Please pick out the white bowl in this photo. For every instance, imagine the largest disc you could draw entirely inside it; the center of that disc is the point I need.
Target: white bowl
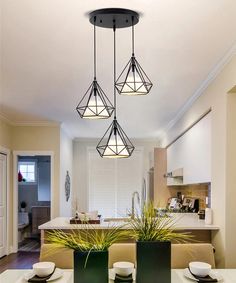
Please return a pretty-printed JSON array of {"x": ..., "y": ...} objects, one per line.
[
  {"x": 200, "y": 268},
  {"x": 43, "y": 268},
  {"x": 123, "y": 268}
]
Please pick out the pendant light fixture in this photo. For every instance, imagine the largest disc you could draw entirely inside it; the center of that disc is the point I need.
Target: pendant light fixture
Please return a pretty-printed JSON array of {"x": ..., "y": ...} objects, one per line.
[
  {"x": 133, "y": 80},
  {"x": 95, "y": 104},
  {"x": 115, "y": 143}
]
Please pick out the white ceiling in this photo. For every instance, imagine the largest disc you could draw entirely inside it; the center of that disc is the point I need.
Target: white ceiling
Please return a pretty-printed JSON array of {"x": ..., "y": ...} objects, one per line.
[{"x": 46, "y": 63}]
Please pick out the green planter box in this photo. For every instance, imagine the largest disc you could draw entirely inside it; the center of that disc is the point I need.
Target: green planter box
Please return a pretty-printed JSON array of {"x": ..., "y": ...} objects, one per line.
[
  {"x": 95, "y": 270},
  {"x": 153, "y": 262}
]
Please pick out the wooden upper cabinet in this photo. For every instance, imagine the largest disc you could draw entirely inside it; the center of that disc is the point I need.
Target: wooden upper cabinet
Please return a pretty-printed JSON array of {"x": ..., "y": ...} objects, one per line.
[{"x": 192, "y": 152}]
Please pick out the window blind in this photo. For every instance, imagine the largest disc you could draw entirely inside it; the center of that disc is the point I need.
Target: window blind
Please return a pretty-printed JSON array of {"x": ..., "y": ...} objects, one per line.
[{"x": 112, "y": 183}]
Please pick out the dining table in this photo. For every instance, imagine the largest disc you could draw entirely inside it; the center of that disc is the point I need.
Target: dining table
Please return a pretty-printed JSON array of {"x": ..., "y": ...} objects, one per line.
[{"x": 177, "y": 276}]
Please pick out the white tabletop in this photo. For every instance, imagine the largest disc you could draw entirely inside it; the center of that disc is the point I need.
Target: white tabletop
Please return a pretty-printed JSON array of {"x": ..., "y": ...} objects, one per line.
[{"x": 15, "y": 276}]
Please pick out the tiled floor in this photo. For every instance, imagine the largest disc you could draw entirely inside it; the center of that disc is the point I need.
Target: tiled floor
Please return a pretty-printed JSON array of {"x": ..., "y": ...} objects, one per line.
[{"x": 20, "y": 260}]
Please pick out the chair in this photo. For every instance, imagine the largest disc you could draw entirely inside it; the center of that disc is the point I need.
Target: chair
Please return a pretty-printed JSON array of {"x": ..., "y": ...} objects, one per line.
[
  {"x": 122, "y": 252},
  {"x": 181, "y": 254},
  {"x": 62, "y": 257}
]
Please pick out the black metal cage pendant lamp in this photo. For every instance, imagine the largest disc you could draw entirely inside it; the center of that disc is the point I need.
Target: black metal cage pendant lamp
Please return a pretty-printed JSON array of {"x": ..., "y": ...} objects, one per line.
[
  {"x": 115, "y": 143},
  {"x": 133, "y": 80},
  {"x": 95, "y": 104}
]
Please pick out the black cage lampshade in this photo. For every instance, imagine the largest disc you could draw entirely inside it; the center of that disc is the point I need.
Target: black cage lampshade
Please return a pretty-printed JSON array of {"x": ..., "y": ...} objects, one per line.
[
  {"x": 95, "y": 104},
  {"x": 133, "y": 80},
  {"x": 115, "y": 143}
]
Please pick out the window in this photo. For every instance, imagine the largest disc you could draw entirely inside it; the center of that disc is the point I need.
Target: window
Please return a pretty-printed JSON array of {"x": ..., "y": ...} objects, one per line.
[
  {"x": 112, "y": 183},
  {"x": 28, "y": 171}
]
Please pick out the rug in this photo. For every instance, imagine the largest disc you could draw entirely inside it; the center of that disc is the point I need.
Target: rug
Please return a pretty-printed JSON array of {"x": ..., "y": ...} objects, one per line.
[{"x": 29, "y": 245}]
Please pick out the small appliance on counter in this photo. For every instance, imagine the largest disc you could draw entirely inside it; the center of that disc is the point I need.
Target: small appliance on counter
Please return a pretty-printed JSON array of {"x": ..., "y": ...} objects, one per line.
[
  {"x": 180, "y": 203},
  {"x": 190, "y": 204},
  {"x": 174, "y": 204},
  {"x": 201, "y": 214}
]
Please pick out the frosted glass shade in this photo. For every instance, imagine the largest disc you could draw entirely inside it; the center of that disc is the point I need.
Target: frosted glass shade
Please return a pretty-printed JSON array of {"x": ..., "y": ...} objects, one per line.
[
  {"x": 95, "y": 104},
  {"x": 133, "y": 80},
  {"x": 115, "y": 143}
]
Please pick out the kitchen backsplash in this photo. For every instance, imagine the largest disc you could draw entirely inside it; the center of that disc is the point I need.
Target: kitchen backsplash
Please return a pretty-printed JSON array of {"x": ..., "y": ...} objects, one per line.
[{"x": 200, "y": 191}]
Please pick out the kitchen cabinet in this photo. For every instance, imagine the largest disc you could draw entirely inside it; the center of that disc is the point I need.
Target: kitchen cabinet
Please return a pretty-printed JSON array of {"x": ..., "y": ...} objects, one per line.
[
  {"x": 175, "y": 161},
  {"x": 192, "y": 152}
]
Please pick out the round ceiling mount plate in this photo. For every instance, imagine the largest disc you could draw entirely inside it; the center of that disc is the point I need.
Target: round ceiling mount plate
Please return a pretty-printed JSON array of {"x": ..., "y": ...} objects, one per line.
[{"x": 107, "y": 18}]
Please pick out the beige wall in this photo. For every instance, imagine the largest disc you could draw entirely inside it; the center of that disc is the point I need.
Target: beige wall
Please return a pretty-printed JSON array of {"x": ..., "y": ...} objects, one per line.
[
  {"x": 161, "y": 191},
  {"x": 39, "y": 138},
  {"x": 215, "y": 97},
  {"x": 5, "y": 142},
  {"x": 5, "y": 134},
  {"x": 28, "y": 138},
  {"x": 230, "y": 180}
]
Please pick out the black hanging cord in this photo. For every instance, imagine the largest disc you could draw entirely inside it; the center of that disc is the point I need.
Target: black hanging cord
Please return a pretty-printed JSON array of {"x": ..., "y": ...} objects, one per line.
[
  {"x": 132, "y": 35},
  {"x": 114, "y": 29},
  {"x": 94, "y": 48}
]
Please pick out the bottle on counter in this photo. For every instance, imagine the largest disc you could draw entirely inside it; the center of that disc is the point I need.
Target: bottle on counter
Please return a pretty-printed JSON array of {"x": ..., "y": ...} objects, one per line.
[{"x": 208, "y": 214}]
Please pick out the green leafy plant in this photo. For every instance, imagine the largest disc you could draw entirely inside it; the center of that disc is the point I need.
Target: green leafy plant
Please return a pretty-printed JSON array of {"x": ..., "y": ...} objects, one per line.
[
  {"x": 149, "y": 227},
  {"x": 87, "y": 238}
]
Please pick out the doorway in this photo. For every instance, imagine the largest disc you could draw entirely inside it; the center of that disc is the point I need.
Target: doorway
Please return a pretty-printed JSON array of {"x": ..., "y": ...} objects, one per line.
[
  {"x": 3, "y": 204},
  {"x": 34, "y": 199}
]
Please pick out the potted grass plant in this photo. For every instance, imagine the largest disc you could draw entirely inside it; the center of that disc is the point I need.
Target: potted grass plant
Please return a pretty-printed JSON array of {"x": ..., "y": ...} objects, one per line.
[
  {"x": 90, "y": 247},
  {"x": 153, "y": 237}
]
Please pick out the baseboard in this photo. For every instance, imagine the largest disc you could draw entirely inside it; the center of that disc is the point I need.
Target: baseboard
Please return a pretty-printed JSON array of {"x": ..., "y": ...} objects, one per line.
[{"x": 11, "y": 250}]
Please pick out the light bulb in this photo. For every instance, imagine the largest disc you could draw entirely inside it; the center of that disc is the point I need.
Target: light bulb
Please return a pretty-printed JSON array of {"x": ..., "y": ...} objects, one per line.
[
  {"x": 133, "y": 85},
  {"x": 115, "y": 147},
  {"x": 95, "y": 107}
]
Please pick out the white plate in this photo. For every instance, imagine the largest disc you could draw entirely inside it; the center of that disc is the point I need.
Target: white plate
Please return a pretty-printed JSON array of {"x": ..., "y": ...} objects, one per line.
[
  {"x": 213, "y": 273},
  {"x": 56, "y": 275},
  {"x": 112, "y": 274}
]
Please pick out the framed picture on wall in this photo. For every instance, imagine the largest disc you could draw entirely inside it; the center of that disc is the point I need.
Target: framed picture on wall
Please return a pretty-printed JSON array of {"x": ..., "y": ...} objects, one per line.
[{"x": 67, "y": 186}]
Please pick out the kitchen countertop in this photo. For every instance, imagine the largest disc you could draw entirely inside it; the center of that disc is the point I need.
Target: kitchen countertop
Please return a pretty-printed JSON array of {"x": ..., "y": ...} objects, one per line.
[{"x": 184, "y": 221}]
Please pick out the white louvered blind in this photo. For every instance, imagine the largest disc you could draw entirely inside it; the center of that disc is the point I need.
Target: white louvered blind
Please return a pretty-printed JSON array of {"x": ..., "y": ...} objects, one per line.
[{"x": 112, "y": 182}]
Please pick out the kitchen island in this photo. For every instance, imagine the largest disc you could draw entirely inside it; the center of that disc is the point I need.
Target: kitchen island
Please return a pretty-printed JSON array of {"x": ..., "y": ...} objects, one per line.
[{"x": 185, "y": 222}]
